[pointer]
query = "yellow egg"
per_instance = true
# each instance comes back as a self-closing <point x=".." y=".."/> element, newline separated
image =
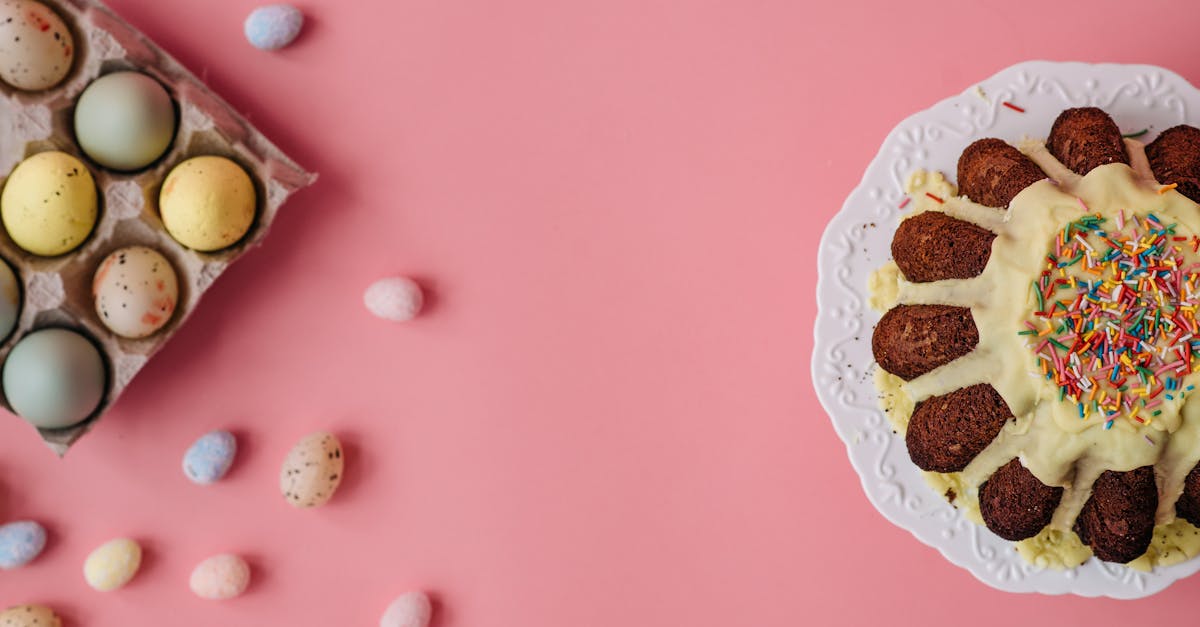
<point x="113" y="564"/>
<point x="49" y="204"/>
<point x="207" y="203"/>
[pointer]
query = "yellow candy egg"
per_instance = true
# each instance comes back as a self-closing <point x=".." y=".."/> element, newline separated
<point x="207" y="203"/>
<point x="113" y="564"/>
<point x="48" y="205"/>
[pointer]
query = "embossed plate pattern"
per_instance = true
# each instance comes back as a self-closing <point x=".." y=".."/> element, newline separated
<point x="858" y="240"/>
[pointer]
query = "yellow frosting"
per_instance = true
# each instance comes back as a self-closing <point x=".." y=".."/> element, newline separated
<point x="1048" y="436"/>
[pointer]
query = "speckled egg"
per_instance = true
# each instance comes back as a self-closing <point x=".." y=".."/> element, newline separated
<point x="10" y="300"/>
<point x="209" y="458"/>
<point x="136" y="291"/>
<point x="36" y="47"/>
<point x="29" y="616"/>
<point x="20" y="543"/>
<point x="124" y="120"/>
<point x="112" y="564"/>
<point x="54" y="378"/>
<point x="312" y="470"/>
<point x="273" y="26"/>
<point x="220" y="577"/>
<point x="207" y="203"/>
<point x="398" y="299"/>
<point x="49" y="203"/>
<point x="411" y="609"/>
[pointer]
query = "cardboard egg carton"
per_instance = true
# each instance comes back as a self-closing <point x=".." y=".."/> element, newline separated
<point x="57" y="291"/>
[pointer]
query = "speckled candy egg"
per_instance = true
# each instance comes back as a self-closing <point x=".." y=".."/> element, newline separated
<point x="29" y="616"/>
<point x="209" y="458"/>
<point x="54" y="378"/>
<point x="411" y="609"/>
<point x="49" y="203"/>
<point x="124" y="120"/>
<point x="112" y="564"/>
<point x="10" y="300"/>
<point x="136" y="291"/>
<point x="207" y="203"/>
<point x="36" y="47"/>
<point x="20" y="543"/>
<point x="312" y="470"/>
<point x="220" y="577"/>
<point x="273" y="26"/>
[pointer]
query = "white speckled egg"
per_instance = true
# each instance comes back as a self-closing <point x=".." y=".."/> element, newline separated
<point x="411" y="609"/>
<point x="20" y="543"/>
<point x="220" y="577"/>
<point x="36" y="47"/>
<point x="29" y="616"/>
<point x="312" y="470"/>
<point x="54" y="378"/>
<point x="113" y="564"/>
<point x="136" y="291"/>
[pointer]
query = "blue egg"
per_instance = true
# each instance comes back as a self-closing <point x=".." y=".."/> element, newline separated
<point x="20" y="543"/>
<point x="210" y="457"/>
<point x="273" y="26"/>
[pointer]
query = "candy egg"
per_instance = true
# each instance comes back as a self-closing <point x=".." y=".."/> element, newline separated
<point x="273" y="26"/>
<point x="220" y="577"/>
<point x="36" y="47"/>
<point x="207" y="203"/>
<point x="312" y="470"/>
<point x="395" y="298"/>
<point x="54" y="378"/>
<point x="10" y="300"/>
<point x="29" y="616"/>
<point x="210" y="457"/>
<point x="113" y="564"/>
<point x="136" y="291"/>
<point x="20" y="543"/>
<point x="49" y="203"/>
<point x="411" y="609"/>
<point x="124" y="120"/>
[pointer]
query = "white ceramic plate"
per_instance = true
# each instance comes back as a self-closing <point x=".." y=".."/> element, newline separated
<point x="858" y="240"/>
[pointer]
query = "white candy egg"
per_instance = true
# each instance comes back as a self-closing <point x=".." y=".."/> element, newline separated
<point x="136" y="291"/>
<point x="220" y="577"/>
<point x="411" y="609"/>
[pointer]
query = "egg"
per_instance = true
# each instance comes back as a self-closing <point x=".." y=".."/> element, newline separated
<point x="20" y="543"/>
<point x="29" y="616"/>
<point x="411" y="609"/>
<point x="207" y="203"/>
<point x="312" y="470"/>
<point x="220" y="577"/>
<point x="112" y="564"/>
<point x="395" y="298"/>
<point x="48" y="205"/>
<point x="125" y="120"/>
<point x="10" y="300"/>
<point x="273" y="26"/>
<point x="54" y="378"/>
<point x="36" y="47"/>
<point x="209" y="458"/>
<point x="136" y="291"/>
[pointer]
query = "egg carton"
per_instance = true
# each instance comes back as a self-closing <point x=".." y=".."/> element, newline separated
<point x="57" y="290"/>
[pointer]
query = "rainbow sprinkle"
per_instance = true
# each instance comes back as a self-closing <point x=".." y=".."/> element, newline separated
<point x="1115" y="326"/>
<point x="1013" y="107"/>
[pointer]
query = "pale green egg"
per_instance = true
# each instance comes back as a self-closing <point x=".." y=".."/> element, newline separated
<point x="125" y="120"/>
<point x="54" y="378"/>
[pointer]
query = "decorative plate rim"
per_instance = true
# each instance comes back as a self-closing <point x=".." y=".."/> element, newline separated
<point x="857" y="241"/>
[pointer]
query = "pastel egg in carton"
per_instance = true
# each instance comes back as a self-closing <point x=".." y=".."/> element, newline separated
<point x="60" y="290"/>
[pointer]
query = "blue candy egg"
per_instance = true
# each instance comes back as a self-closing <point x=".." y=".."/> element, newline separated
<point x="210" y="457"/>
<point x="273" y="26"/>
<point x="20" y="543"/>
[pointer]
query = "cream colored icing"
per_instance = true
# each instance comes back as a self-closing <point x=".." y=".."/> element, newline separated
<point x="1049" y="437"/>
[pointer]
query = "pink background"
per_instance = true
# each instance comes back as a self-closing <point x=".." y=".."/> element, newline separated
<point x="605" y="418"/>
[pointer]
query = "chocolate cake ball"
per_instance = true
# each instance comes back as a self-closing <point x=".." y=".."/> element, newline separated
<point x="911" y="340"/>
<point x="1086" y="138"/>
<point x="1014" y="504"/>
<point x="1175" y="158"/>
<point x="933" y="246"/>
<point x="991" y="173"/>
<point x="946" y="432"/>
<point x="1117" y="520"/>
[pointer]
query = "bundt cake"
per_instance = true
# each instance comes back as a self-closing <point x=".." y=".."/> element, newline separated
<point x="1041" y="320"/>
